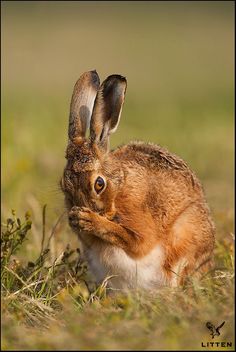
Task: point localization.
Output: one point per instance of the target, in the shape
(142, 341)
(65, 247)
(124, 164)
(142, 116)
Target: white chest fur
(145, 273)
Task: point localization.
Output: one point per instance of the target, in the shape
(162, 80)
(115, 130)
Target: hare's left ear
(107, 109)
(81, 106)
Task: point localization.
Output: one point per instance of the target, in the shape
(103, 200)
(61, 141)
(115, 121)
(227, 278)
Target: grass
(53, 304)
(178, 60)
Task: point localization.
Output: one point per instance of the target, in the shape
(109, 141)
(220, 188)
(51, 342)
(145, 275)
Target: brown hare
(139, 211)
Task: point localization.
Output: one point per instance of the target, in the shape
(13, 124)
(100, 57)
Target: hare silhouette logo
(213, 330)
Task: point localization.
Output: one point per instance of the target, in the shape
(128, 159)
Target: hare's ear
(81, 106)
(107, 109)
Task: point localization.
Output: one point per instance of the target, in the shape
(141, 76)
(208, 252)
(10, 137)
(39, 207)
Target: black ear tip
(113, 80)
(95, 77)
(118, 77)
(122, 78)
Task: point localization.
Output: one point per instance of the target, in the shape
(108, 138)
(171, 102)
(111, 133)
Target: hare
(139, 211)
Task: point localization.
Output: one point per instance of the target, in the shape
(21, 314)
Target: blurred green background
(178, 58)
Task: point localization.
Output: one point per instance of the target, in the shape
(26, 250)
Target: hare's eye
(99, 184)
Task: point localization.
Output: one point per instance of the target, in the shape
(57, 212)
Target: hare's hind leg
(190, 244)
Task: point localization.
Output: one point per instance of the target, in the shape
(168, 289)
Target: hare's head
(90, 177)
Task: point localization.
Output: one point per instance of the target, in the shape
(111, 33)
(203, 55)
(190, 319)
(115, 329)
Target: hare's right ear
(107, 109)
(81, 107)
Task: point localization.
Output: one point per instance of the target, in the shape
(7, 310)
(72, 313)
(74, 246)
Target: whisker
(54, 227)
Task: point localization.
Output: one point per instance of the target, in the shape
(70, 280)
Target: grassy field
(178, 59)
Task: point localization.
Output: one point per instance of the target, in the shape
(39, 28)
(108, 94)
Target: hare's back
(150, 155)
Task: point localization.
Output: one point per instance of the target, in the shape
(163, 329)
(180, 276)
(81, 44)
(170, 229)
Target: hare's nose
(80, 199)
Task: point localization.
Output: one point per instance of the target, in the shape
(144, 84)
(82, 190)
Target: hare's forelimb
(100, 226)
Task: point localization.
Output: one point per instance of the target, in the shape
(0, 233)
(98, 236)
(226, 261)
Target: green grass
(178, 60)
(52, 303)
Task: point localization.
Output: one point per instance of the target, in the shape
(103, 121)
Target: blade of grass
(44, 227)
(19, 278)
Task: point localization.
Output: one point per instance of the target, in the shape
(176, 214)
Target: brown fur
(151, 198)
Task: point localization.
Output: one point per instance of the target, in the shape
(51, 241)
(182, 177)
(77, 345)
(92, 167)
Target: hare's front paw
(88, 220)
(84, 219)
(73, 217)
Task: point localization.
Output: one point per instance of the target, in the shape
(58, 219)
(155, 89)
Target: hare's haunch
(139, 211)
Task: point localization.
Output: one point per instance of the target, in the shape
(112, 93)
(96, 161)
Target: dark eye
(99, 184)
